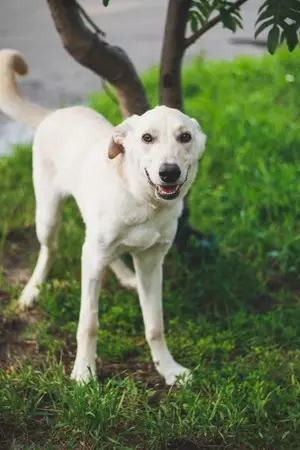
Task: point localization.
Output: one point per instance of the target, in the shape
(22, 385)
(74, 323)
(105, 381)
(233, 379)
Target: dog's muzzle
(166, 191)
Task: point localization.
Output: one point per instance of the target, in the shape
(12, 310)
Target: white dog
(129, 183)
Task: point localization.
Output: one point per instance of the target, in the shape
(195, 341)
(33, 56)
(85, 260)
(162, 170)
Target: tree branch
(107, 61)
(90, 21)
(189, 41)
(170, 90)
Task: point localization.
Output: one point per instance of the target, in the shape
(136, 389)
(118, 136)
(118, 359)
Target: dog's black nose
(169, 173)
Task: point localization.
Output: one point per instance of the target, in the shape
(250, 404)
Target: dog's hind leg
(125, 275)
(48, 208)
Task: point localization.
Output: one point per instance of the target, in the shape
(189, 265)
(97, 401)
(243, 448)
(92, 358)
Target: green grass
(234, 318)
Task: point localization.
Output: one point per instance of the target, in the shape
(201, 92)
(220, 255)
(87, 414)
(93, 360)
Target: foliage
(202, 10)
(235, 321)
(281, 17)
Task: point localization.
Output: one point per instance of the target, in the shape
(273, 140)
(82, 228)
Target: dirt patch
(187, 444)
(15, 348)
(138, 371)
(277, 282)
(183, 444)
(19, 246)
(18, 347)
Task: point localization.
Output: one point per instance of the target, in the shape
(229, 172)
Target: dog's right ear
(116, 146)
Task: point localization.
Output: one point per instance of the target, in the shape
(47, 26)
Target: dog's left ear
(116, 146)
(200, 136)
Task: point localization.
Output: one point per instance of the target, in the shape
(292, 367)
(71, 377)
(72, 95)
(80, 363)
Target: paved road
(136, 25)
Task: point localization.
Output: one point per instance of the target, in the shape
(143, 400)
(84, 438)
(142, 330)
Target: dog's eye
(147, 138)
(184, 137)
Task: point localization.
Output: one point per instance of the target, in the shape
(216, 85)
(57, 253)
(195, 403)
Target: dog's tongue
(168, 189)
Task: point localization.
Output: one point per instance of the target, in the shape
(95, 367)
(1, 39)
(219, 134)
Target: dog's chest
(143, 234)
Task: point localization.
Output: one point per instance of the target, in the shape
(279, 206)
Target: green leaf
(263, 6)
(203, 6)
(294, 15)
(292, 4)
(282, 37)
(106, 2)
(237, 13)
(194, 23)
(238, 23)
(227, 20)
(265, 15)
(273, 39)
(263, 26)
(291, 37)
(200, 18)
(205, 12)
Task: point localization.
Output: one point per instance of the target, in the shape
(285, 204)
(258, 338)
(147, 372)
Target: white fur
(119, 206)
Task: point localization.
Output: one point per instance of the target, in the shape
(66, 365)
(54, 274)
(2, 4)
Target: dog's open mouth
(166, 192)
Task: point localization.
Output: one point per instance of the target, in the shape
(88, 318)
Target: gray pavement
(136, 25)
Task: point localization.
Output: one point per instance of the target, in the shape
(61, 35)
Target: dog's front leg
(148, 267)
(92, 266)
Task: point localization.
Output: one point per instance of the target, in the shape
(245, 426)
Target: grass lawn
(234, 317)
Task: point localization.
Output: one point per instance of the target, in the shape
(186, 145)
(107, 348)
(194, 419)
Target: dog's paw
(177, 374)
(28, 296)
(83, 371)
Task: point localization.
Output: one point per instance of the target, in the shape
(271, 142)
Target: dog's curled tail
(12, 102)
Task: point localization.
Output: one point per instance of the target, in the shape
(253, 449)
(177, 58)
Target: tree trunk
(107, 61)
(170, 87)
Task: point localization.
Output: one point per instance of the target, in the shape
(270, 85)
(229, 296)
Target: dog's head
(164, 145)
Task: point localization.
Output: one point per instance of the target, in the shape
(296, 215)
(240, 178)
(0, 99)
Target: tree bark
(170, 89)
(107, 61)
